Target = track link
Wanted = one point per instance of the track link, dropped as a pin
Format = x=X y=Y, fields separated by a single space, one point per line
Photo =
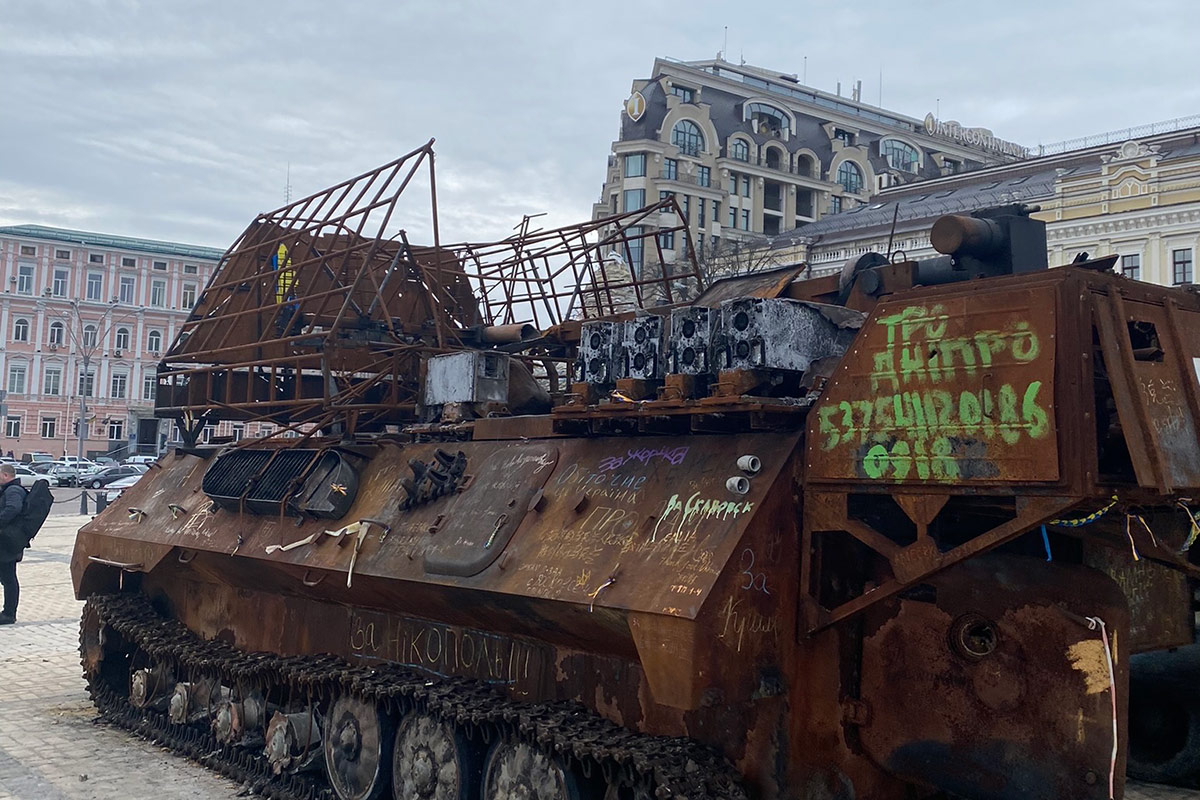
x=659 y=767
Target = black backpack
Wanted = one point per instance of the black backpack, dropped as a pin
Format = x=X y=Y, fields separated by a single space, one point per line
x=38 y=501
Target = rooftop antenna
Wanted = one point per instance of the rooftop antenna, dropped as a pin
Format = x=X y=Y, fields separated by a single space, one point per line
x=881 y=86
x=725 y=46
x=937 y=108
x=804 y=80
x=287 y=187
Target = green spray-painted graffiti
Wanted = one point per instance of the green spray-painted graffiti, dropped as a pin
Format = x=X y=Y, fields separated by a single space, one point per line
x=930 y=413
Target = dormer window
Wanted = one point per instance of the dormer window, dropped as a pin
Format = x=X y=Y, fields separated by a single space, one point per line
x=844 y=136
x=739 y=150
x=767 y=120
x=850 y=177
x=687 y=137
x=684 y=93
x=900 y=155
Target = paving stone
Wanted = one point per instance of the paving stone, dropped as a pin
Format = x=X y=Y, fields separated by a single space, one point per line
x=51 y=747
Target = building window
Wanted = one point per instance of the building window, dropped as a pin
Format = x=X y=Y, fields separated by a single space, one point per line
x=835 y=205
x=634 y=245
x=160 y=265
x=16 y=379
x=633 y=199
x=189 y=291
x=732 y=217
x=684 y=93
x=122 y=339
x=670 y=171
x=745 y=186
x=128 y=262
x=1181 y=266
x=87 y=383
x=56 y=333
x=845 y=137
x=666 y=240
x=52 y=381
x=28 y=250
x=767 y=120
x=733 y=183
x=739 y=150
x=59 y=287
x=116 y=430
x=128 y=283
x=62 y=255
x=686 y=207
x=12 y=427
x=635 y=165
x=900 y=155
x=663 y=195
x=687 y=137
x=704 y=177
x=849 y=176
x=21 y=330
x=154 y=341
x=1131 y=266
x=158 y=293
x=49 y=427
x=745 y=219
x=700 y=205
x=95 y=258
x=89 y=335
x=191 y=269
x=149 y=384
x=24 y=279
x=95 y=286
x=119 y=386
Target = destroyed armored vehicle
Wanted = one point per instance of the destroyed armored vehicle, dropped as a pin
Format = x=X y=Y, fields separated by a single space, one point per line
x=520 y=523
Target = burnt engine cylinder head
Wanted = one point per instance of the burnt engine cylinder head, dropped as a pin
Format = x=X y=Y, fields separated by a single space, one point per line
x=693 y=331
x=599 y=352
x=641 y=347
x=772 y=333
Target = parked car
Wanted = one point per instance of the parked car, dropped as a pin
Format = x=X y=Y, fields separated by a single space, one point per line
x=26 y=476
x=147 y=460
x=36 y=458
x=62 y=474
x=107 y=475
x=121 y=484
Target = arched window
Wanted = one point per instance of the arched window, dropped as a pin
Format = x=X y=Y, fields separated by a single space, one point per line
x=89 y=335
x=21 y=330
x=900 y=155
x=154 y=341
x=739 y=150
x=804 y=165
x=122 y=339
x=687 y=137
x=56 y=333
x=767 y=120
x=850 y=177
x=773 y=157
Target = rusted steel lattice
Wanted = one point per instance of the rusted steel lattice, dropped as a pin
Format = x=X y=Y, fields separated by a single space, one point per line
x=319 y=315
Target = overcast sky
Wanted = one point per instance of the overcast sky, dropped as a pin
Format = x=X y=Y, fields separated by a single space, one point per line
x=171 y=120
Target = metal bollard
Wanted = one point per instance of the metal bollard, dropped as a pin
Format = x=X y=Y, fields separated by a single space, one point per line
x=101 y=501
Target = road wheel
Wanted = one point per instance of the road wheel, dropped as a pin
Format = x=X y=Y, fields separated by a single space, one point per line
x=95 y=484
x=433 y=761
x=358 y=749
x=519 y=771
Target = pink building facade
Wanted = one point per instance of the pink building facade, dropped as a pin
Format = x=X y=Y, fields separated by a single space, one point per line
x=115 y=303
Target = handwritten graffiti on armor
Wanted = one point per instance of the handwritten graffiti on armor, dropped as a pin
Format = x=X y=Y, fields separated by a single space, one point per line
x=672 y=455
x=920 y=423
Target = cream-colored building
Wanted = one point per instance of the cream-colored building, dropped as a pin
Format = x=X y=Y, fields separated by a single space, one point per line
x=1138 y=198
x=749 y=152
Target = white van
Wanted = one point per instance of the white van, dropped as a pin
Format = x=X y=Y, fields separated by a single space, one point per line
x=147 y=460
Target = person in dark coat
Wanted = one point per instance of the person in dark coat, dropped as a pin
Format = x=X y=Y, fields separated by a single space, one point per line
x=12 y=503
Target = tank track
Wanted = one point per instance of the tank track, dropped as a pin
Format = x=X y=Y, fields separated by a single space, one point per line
x=658 y=767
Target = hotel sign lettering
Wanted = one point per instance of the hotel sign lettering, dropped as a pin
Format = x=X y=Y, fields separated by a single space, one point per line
x=973 y=137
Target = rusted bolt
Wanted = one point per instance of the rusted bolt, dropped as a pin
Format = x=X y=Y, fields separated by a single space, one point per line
x=437 y=523
x=856 y=712
x=1090 y=777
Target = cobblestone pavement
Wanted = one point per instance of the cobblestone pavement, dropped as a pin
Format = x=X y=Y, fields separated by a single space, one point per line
x=50 y=745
